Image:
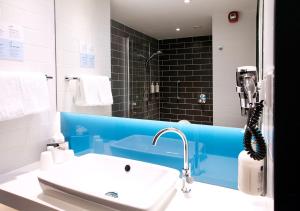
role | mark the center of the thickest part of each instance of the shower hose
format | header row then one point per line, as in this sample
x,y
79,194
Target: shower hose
x,y
252,130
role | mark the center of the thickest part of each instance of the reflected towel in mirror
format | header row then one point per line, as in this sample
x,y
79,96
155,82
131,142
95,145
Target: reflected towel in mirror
x,y
92,90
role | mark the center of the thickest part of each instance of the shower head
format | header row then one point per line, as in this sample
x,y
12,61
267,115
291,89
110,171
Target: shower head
x,y
154,54
140,55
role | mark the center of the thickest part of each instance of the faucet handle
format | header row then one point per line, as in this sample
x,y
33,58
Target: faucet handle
x,y
189,179
186,173
186,180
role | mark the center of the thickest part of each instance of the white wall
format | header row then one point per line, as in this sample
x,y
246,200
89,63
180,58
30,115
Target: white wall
x,y
239,49
23,139
268,73
81,21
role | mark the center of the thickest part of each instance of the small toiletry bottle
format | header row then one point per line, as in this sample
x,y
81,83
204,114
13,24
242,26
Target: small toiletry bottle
x,y
152,88
98,144
156,87
60,140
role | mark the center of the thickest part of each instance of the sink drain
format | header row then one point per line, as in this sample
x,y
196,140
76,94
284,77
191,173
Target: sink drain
x,y
112,194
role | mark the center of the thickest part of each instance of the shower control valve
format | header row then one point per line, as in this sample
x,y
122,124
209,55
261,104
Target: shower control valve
x,y
202,98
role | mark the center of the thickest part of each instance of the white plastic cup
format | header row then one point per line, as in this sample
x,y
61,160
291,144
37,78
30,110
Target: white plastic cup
x,y
58,155
69,154
46,160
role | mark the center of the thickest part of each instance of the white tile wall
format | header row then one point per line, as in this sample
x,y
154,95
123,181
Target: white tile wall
x,y
238,41
23,139
81,21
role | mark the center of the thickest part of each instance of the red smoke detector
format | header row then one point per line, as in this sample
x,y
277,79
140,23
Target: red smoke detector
x,y
233,16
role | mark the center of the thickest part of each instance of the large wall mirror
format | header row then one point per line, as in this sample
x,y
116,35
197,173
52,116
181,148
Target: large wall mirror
x,y
166,60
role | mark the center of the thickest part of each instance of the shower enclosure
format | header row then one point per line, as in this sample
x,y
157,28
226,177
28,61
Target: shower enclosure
x,y
120,76
134,67
143,72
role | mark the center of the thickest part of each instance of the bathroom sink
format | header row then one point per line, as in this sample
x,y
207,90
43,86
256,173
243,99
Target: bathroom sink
x,y
168,152
118,183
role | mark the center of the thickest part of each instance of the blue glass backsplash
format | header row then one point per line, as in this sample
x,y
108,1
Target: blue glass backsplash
x,y
213,150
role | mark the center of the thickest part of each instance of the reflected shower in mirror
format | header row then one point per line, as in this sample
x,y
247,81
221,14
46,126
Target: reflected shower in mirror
x,y
164,66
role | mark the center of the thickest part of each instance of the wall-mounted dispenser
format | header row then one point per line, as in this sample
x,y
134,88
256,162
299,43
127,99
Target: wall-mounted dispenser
x,y
251,160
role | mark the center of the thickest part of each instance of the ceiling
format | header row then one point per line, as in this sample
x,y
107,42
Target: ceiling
x,y
160,18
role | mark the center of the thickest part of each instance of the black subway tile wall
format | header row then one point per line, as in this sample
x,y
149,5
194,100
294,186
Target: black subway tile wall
x,y
186,62
118,71
142,104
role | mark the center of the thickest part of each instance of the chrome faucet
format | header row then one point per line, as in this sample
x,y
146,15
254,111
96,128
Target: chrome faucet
x,y
186,172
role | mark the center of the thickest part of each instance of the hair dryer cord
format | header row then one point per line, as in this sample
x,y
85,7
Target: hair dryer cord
x,y
253,131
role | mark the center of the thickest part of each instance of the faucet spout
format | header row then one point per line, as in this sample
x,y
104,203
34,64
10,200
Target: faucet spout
x,y
186,175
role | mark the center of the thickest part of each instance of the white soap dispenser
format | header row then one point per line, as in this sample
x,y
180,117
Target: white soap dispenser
x,y
156,87
152,88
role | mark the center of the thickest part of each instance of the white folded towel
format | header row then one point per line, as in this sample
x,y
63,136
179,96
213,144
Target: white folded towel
x,y
11,105
93,90
22,93
35,92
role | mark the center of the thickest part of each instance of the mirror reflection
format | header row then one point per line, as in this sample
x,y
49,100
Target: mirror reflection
x,y
160,60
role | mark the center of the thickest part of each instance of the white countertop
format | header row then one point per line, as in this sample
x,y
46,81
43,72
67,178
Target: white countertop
x,y
20,189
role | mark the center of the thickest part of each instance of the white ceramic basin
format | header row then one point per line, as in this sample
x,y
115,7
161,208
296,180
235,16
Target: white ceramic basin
x,y
104,180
